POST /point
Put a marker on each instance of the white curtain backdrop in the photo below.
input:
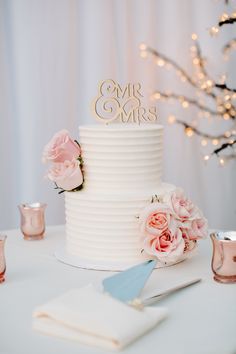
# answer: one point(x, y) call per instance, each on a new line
point(53, 53)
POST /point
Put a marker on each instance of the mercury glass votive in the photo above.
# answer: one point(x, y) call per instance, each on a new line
point(2, 258)
point(32, 220)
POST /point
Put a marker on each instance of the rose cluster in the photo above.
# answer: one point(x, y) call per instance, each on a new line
point(65, 156)
point(171, 228)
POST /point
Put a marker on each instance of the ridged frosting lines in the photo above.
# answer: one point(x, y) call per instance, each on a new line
point(122, 170)
point(105, 227)
point(121, 159)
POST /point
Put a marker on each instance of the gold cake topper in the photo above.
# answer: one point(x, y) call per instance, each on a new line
point(121, 103)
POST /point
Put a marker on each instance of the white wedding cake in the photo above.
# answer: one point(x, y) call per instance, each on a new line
point(118, 211)
point(122, 168)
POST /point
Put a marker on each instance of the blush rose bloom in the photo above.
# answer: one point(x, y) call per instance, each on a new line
point(183, 207)
point(190, 244)
point(168, 247)
point(61, 148)
point(199, 229)
point(67, 175)
point(156, 218)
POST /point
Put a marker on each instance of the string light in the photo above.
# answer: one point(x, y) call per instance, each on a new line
point(215, 142)
point(160, 62)
point(221, 161)
point(214, 31)
point(228, 105)
point(224, 17)
point(226, 116)
point(185, 104)
point(232, 112)
point(205, 87)
point(157, 95)
point(171, 119)
point(227, 19)
point(209, 83)
point(227, 134)
point(189, 132)
point(196, 61)
point(143, 46)
point(227, 97)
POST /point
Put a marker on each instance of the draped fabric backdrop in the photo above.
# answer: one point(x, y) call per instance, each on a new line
point(53, 53)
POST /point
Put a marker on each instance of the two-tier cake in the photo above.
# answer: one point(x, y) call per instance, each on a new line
point(118, 210)
point(122, 166)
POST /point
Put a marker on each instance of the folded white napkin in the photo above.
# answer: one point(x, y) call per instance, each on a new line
point(95, 318)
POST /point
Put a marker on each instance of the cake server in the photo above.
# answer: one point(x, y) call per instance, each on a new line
point(139, 304)
point(127, 285)
point(152, 299)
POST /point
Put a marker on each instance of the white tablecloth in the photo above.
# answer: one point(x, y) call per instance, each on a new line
point(202, 318)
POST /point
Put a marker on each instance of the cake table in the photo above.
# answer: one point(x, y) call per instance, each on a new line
point(201, 318)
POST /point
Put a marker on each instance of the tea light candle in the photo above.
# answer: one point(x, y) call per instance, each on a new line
point(32, 220)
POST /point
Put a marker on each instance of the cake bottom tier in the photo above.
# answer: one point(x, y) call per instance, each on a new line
point(104, 228)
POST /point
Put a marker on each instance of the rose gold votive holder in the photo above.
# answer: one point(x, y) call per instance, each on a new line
point(2, 258)
point(224, 256)
point(32, 220)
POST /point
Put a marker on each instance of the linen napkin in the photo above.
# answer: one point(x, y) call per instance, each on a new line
point(95, 318)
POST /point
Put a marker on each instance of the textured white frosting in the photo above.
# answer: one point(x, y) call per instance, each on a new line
point(101, 227)
point(121, 158)
point(122, 171)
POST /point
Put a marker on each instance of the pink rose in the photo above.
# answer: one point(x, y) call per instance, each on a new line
point(61, 148)
point(189, 243)
point(199, 229)
point(67, 175)
point(172, 227)
point(161, 236)
point(168, 247)
point(183, 207)
point(156, 218)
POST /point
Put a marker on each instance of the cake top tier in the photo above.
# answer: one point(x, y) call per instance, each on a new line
point(121, 127)
point(121, 158)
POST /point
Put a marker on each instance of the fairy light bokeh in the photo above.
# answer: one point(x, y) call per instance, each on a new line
point(223, 98)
